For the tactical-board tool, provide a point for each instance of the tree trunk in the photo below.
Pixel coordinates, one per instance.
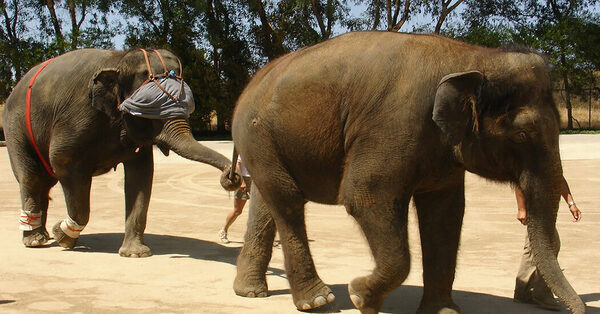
(447, 7)
(565, 77)
(75, 25)
(56, 23)
(273, 43)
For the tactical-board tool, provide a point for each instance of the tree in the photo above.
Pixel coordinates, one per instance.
(439, 10)
(19, 49)
(87, 20)
(394, 15)
(565, 30)
(281, 26)
(231, 56)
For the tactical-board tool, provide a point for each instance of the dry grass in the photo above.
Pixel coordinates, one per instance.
(581, 112)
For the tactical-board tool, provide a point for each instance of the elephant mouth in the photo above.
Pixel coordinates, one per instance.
(139, 132)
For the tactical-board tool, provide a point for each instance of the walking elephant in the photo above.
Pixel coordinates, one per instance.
(66, 121)
(370, 120)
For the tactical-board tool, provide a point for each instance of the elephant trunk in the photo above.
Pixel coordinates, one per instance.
(542, 197)
(177, 136)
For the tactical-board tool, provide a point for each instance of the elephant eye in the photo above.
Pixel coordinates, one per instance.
(520, 137)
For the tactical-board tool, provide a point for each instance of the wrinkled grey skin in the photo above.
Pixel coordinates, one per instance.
(370, 120)
(82, 139)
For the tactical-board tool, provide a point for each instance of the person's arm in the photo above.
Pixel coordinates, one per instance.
(521, 209)
(568, 197)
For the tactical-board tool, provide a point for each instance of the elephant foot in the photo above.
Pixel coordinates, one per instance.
(61, 238)
(362, 296)
(448, 307)
(134, 249)
(316, 296)
(250, 286)
(35, 237)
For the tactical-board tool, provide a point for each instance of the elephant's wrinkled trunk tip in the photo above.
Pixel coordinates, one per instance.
(540, 228)
(230, 180)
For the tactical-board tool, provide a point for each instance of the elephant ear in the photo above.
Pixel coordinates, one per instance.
(104, 91)
(455, 101)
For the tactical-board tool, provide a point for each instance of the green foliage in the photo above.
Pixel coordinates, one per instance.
(221, 43)
(566, 31)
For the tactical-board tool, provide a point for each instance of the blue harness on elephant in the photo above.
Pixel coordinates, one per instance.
(161, 96)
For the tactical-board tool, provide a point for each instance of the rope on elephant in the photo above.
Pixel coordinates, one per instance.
(28, 119)
(71, 228)
(29, 220)
(168, 97)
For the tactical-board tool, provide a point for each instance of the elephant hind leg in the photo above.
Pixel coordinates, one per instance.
(277, 191)
(253, 260)
(34, 185)
(440, 220)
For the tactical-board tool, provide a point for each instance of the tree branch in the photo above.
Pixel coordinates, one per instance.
(405, 15)
(146, 16)
(318, 11)
(445, 11)
(56, 23)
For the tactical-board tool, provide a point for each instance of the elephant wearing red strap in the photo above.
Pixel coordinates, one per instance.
(371, 120)
(64, 123)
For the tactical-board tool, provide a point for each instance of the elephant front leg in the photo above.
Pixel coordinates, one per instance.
(138, 186)
(384, 224)
(440, 220)
(253, 260)
(77, 198)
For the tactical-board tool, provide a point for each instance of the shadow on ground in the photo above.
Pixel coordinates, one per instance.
(406, 300)
(402, 300)
(181, 247)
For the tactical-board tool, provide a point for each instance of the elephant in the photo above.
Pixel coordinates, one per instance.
(80, 131)
(370, 120)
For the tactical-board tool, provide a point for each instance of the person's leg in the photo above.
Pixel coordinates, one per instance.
(524, 275)
(240, 197)
(530, 286)
(238, 207)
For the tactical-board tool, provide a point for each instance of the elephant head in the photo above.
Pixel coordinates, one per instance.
(113, 84)
(502, 124)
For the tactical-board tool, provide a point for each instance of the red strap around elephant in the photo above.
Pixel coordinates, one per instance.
(28, 119)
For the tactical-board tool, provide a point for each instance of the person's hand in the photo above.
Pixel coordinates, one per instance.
(522, 216)
(575, 212)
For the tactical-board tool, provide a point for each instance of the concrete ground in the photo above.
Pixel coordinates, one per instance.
(192, 272)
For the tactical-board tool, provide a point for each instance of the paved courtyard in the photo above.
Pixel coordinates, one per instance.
(192, 272)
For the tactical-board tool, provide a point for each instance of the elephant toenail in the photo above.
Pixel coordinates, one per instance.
(356, 300)
(262, 295)
(306, 306)
(251, 295)
(330, 297)
(319, 301)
